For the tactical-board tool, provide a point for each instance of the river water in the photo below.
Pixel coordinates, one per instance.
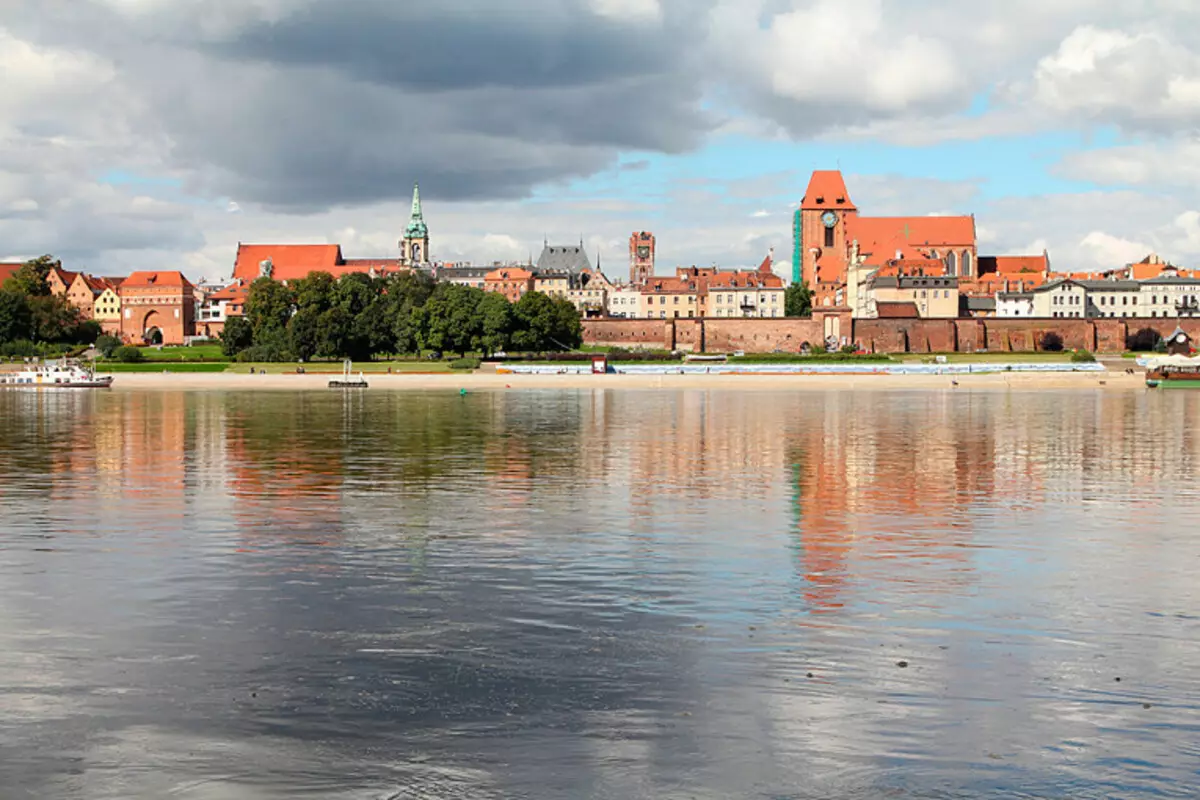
(631, 594)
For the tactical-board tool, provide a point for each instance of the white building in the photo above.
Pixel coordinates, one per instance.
(624, 301)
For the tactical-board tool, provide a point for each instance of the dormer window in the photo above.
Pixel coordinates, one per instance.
(820, 201)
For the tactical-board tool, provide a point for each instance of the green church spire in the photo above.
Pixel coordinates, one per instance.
(416, 224)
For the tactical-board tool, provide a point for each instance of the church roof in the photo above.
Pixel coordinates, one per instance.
(1010, 265)
(571, 258)
(289, 261)
(826, 189)
(911, 237)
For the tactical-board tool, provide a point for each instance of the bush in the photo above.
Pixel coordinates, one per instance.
(107, 345)
(1052, 342)
(129, 355)
(1082, 357)
(465, 363)
(849, 349)
(1144, 341)
(22, 348)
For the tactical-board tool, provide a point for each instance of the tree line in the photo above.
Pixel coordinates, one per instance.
(360, 317)
(31, 315)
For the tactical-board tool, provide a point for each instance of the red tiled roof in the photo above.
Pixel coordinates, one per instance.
(742, 280)
(826, 189)
(290, 261)
(234, 291)
(7, 270)
(931, 267)
(768, 265)
(365, 264)
(508, 274)
(897, 310)
(1007, 265)
(669, 286)
(148, 279)
(911, 237)
(66, 277)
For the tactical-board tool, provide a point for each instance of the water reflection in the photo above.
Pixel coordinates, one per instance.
(598, 594)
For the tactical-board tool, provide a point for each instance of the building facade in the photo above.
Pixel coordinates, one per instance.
(157, 308)
(514, 283)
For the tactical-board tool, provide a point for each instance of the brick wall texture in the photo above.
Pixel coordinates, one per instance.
(876, 335)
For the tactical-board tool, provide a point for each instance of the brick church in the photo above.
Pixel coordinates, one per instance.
(830, 235)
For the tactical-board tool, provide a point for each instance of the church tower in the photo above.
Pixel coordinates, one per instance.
(414, 247)
(821, 235)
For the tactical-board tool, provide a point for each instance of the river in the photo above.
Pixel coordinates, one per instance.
(599, 594)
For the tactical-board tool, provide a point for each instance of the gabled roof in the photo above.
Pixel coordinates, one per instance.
(66, 277)
(152, 279)
(234, 291)
(734, 279)
(827, 189)
(290, 261)
(556, 258)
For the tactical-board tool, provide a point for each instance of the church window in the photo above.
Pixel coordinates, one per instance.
(952, 263)
(966, 262)
(829, 237)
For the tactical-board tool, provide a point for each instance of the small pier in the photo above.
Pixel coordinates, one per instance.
(348, 380)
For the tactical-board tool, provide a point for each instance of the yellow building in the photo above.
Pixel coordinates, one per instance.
(933, 297)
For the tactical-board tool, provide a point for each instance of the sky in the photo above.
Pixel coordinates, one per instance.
(157, 134)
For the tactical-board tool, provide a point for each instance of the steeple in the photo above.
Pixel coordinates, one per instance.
(416, 224)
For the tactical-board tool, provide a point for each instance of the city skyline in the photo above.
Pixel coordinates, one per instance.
(1053, 123)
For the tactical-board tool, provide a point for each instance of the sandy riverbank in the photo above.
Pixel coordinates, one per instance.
(491, 381)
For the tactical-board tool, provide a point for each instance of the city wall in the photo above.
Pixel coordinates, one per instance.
(875, 335)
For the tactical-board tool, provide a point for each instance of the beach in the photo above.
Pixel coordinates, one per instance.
(483, 381)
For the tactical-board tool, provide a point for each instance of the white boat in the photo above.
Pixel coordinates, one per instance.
(54, 375)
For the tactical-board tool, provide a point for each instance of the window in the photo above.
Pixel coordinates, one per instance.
(1134, 299)
(952, 263)
(829, 237)
(676, 299)
(1125, 300)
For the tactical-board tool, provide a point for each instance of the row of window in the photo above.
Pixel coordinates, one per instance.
(1064, 300)
(774, 312)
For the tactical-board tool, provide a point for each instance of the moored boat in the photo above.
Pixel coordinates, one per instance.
(54, 375)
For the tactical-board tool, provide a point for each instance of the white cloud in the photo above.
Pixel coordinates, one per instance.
(640, 10)
(1175, 162)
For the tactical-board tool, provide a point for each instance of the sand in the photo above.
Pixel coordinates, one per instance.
(491, 381)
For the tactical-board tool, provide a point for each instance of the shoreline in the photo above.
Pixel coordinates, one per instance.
(221, 381)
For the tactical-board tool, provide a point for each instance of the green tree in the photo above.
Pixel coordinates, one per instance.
(545, 324)
(450, 321)
(333, 334)
(269, 306)
(107, 345)
(30, 279)
(315, 291)
(16, 319)
(54, 319)
(404, 296)
(236, 336)
(304, 333)
(354, 292)
(372, 330)
(797, 300)
(88, 332)
(496, 322)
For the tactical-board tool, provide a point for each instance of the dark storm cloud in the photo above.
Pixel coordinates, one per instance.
(336, 103)
(462, 45)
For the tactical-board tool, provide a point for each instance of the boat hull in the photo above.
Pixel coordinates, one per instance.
(99, 383)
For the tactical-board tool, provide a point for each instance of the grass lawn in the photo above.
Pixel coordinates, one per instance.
(335, 367)
(115, 367)
(196, 352)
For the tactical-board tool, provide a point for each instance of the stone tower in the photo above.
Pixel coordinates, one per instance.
(641, 257)
(414, 247)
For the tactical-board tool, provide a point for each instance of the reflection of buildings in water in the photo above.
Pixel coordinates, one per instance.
(906, 477)
(285, 472)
